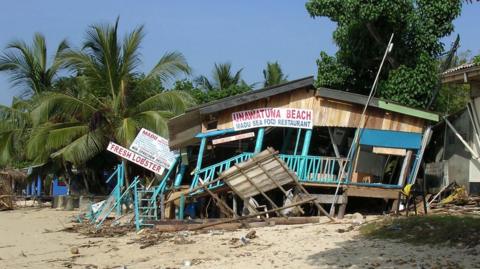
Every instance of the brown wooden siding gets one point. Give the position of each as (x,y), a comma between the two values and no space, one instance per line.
(329,112)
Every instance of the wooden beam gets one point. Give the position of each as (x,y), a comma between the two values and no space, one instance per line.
(372,192)
(335,147)
(259,190)
(254,215)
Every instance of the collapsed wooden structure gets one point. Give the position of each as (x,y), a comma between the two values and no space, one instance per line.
(454,150)
(312,129)
(8,179)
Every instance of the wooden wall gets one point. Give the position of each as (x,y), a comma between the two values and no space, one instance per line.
(329,112)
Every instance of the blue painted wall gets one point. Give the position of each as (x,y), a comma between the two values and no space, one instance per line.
(390,139)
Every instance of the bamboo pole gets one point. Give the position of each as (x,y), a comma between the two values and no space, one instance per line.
(363,118)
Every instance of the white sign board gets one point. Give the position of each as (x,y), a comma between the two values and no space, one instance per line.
(153,147)
(278,117)
(232,138)
(135,158)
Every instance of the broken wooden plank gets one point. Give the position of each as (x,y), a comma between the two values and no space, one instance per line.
(254,215)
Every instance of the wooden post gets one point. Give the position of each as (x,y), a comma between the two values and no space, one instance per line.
(343,207)
(162,206)
(335,147)
(219,201)
(234,204)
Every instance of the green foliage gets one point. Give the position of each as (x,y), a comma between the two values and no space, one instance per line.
(28,66)
(224,83)
(332,74)
(142,88)
(209,96)
(222,78)
(452,98)
(72,118)
(363,29)
(273,75)
(476,59)
(407,85)
(202,96)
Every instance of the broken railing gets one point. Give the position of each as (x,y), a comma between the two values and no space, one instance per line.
(314,169)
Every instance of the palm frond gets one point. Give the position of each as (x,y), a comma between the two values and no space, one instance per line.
(170,66)
(7,152)
(27,65)
(83,148)
(130,51)
(273,75)
(126,131)
(61,105)
(155,121)
(174,101)
(203,83)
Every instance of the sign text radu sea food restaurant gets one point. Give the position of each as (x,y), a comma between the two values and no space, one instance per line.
(279,117)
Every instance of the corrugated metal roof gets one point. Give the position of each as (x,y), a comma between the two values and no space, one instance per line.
(460,67)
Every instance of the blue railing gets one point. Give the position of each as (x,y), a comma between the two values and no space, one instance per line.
(314,169)
(209,173)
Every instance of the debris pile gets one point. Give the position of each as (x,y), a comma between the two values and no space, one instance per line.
(89,230)
(455,202)
(6,196)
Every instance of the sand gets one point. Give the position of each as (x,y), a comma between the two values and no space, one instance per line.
(30,238)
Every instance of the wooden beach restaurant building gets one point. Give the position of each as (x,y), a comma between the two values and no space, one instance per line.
(312,129)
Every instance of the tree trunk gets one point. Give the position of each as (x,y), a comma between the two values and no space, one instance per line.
(125,167)
(68,178)
(85,180)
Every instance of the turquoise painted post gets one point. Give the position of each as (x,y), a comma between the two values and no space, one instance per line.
(179,177)
(306,142)
(203,144)
(118,189)
(39,186)
(306,147)
(259,142)
(135,205)
(299,133)
(181,208)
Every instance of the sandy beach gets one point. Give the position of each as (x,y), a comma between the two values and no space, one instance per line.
(32,238)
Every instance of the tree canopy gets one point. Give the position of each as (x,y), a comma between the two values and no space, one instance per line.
(363,29)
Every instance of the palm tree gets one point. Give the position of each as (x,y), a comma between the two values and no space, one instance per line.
(273,75)
(222,78)
(28,65)
(14,128)
(77,125)
(29,68)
